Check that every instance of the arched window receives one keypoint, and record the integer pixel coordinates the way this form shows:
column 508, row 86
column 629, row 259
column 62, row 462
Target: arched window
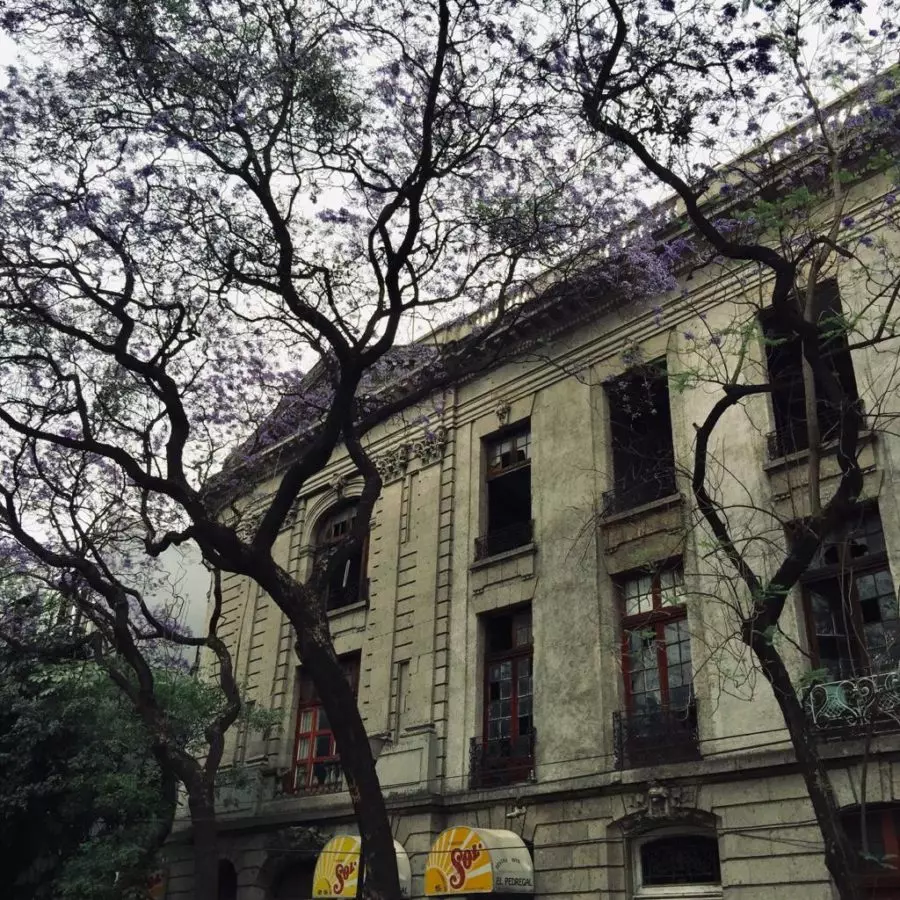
column 347, row 584
column 677, row 865
column 878, row 844
column 227, row 880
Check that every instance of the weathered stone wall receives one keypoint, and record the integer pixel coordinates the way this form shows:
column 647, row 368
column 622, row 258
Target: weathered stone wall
column 421, row 640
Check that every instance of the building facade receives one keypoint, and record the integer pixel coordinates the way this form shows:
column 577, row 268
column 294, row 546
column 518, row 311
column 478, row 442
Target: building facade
column 543, row 643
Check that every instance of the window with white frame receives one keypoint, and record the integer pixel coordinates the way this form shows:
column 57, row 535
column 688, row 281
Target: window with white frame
column 677, row 865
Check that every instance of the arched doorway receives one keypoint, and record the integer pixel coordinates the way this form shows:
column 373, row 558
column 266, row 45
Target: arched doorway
column 227, row 880
column 294, row 882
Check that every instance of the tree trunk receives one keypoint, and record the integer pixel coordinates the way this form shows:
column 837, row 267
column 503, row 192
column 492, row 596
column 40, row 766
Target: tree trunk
column 840, row 856
column 206, row 852
column 379, row 860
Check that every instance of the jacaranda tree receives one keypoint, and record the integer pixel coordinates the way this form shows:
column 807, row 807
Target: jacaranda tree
column 687, row 91
column 203, row 200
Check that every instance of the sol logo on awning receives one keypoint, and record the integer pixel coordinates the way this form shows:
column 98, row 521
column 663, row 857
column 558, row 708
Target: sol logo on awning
column 342, row 875
column 462, row 861
column 469, row 861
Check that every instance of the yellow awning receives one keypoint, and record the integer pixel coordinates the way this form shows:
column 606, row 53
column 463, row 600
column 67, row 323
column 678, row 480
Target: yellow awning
column 478, row 861
column 337, row 868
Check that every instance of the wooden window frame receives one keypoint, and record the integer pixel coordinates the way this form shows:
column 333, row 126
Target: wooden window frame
column 313, row 705
column 506, row 523
column 497, row 439
column 846, row 571
column 324, row 542
column 657, row 618
column 514, row 655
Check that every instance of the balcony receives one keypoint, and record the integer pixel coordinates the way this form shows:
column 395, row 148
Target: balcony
column 323, row 777
column 499, row 762
column 655, row 738
column 645, row 487
column 868, row 704
column 503, row 539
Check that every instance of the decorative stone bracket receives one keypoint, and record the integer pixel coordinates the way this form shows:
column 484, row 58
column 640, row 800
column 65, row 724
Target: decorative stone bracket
column 429, row 448
column 660, row 804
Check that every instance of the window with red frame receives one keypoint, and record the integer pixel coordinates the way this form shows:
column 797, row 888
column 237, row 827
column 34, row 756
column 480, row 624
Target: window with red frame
column 656, row 646
column 508, row 689
column 317, row 765
column 880, row 853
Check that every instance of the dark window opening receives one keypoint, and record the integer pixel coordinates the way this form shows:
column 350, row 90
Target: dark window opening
column 643, row 456
column 506, row 752
column 659, row 723
column 509, row 523
column 880, row 851
column 295, row 882
column 317, row 766
column 784, row 358
column 227, row 880
column 851, row 605
column 680, row 859
column 347, row 583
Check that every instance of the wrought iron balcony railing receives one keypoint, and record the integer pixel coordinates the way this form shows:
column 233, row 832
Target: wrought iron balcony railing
column 869, row 703
column 502, row 761
column 503, row 539
column 792, row 436
column 655, row 738
column 628, row 493
column 319, row 778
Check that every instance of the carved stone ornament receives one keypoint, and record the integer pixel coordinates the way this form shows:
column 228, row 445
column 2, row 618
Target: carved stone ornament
column 338, row 484
column 662, row 804
column 392, row 464
column 429, row 449
column 502, row 411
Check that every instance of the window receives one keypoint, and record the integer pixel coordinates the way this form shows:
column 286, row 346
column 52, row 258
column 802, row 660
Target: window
column 678, row 865
column 784, row 358
column 347, row 584
column 508, row 486
column 880, row 851
column 851, row 606
column 295, row 881
column 643, row 458
column 659, row 723
column 317, row 765
column 505, row 753
column 227, row 880
column 655, row 641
